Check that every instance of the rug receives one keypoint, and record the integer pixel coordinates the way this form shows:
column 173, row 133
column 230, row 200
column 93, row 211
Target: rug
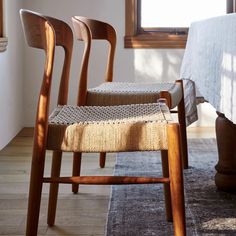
column 139, row 209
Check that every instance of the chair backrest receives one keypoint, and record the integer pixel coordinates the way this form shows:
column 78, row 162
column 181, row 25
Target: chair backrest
column 46, row 33
column 36, row 29
column 87, row 30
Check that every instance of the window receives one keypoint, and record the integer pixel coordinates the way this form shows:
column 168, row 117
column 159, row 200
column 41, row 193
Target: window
column 1, row 19
column 3, row 40
column 171, row 31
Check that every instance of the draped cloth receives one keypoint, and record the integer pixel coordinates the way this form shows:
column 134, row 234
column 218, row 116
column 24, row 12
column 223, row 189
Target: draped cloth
column 210, row 63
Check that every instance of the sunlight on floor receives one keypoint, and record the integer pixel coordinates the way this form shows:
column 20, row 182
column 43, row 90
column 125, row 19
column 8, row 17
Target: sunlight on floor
column 220, row 224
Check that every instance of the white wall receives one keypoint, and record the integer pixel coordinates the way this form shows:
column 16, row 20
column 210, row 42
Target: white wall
column 157, row 65
column 11, row 78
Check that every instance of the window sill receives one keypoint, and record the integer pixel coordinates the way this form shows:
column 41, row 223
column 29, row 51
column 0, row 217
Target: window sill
column 160, row 40
column 3, row 44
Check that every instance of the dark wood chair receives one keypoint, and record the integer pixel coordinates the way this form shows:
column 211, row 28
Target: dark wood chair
column 78, row 129
column 111, row 93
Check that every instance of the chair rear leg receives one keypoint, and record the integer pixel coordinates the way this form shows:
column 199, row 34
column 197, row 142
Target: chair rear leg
column 76, row 169
column 183, row 132
column 181, row 117
column 102, row 159
column 35, row 191
column 176, row 180
column 165, row 171
column 53, row 193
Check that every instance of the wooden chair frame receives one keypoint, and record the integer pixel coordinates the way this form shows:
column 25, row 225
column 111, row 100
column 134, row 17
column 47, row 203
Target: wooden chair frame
column 89, row 29
column 46, row 33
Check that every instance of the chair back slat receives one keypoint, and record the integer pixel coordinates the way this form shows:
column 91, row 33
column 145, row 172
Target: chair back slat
column 34, row 29
column 98, row 29
column 87, row 30
column 36, row 36
column 64, row 34
column 64, row 38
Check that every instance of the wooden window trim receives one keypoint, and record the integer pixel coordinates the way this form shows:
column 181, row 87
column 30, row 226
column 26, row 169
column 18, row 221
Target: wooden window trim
column 1, row 18
column 3, row 39
column 136, row 38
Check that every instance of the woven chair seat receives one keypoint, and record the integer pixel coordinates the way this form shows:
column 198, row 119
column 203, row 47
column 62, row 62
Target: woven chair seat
column 119, row 93
column 109, row 128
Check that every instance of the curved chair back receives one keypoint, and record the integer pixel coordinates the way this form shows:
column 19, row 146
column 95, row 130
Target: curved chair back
column 36, row 29
column 39, row 33
column 87, row 30
column 45, row 33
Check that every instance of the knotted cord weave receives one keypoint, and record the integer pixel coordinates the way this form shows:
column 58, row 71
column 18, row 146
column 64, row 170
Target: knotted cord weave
column 119, row 87
column 119, row 93
column 155, row 112
column 109, row 128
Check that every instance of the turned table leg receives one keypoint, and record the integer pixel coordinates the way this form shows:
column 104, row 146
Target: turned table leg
column 225, row 177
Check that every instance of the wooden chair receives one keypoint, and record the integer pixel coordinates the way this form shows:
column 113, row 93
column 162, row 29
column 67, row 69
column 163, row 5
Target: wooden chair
column 117, row 93
column 94, row 129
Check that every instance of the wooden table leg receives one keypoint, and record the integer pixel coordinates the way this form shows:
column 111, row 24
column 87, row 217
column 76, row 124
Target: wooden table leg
column 225, row 177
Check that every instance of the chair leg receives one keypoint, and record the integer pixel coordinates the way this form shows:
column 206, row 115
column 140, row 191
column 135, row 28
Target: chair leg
column 35, row 191
column 176, row 180
column 53, row 193
column 165, row 171
column 102, row 159
column 183, row 133
column 76, row 170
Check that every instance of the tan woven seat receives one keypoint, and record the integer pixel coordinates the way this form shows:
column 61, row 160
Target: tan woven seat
column 110, row 129
column 80, row 129
column 111, row 93
column 119, row 93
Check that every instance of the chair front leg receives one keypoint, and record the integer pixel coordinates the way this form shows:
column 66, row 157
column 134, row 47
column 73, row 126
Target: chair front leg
column 165, row 171
column 35, row 191
column 183, row 133
column 176, row 180
column 76, row 169
column 102, row 159
column 53, row 193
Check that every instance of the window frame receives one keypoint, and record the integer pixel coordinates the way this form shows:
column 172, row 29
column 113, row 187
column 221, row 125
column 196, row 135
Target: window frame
column 3, row 39
column 1, row 18
column 137, row 37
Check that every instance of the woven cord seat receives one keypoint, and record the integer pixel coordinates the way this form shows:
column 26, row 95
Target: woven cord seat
column 111, row 93
column 121, row 93
column 109, row 129
column 94, row 129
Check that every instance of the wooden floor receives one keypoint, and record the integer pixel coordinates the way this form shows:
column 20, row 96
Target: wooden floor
column 81, row 214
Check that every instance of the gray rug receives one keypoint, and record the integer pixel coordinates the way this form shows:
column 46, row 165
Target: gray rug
column 139, row 209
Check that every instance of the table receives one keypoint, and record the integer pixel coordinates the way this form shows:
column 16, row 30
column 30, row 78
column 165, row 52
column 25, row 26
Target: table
column 210, row 61
column 225, row 177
